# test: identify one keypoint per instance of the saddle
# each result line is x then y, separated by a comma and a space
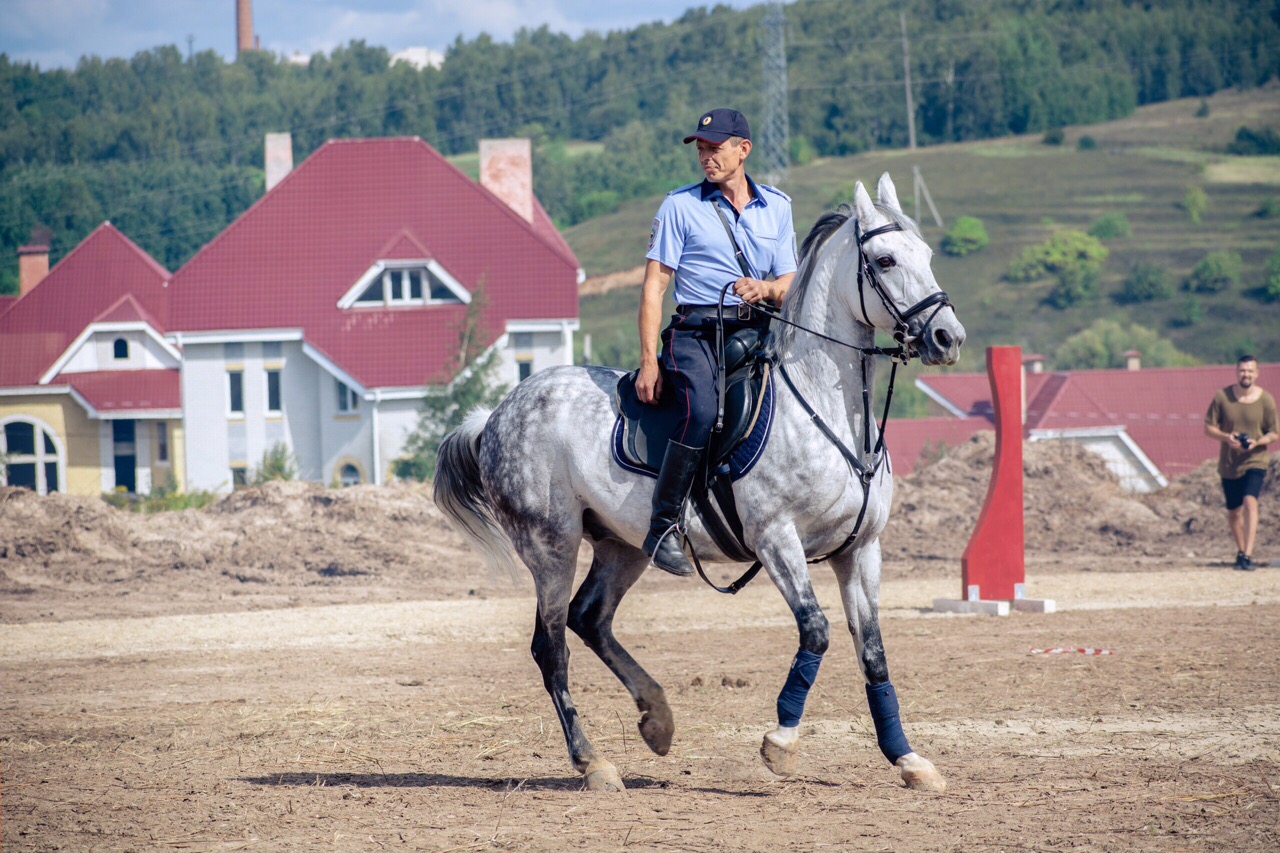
641, 432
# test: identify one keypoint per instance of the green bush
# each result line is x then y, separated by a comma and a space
1076, 284
1110, 226
1053, 136
1064, 250
1202, 111
1255, 141
163, 499
278, 463
1087, 143
1145, 283
595, 203
1269, 209
1271, 287
1216, 272
1194, 202
967, 234
802, 150
1190, 312
1103, 344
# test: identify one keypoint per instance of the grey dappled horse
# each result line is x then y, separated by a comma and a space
536, 473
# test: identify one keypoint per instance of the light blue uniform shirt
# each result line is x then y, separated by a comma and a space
687, 236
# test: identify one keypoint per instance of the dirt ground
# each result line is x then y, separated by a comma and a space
297, 666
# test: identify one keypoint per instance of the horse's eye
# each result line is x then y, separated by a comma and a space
885, 261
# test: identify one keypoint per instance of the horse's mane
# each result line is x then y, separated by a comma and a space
782, 334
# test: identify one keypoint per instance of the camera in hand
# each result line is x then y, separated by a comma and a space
1243, 438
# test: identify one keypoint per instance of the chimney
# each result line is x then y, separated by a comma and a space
244, 26
506, 170
1034, 363
278, 159
1132, 359
33, 266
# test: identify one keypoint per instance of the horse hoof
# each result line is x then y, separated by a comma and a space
919, 774
657, 727
779, 756
603, 776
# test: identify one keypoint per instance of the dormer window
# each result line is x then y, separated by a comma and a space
397, 284
120, 349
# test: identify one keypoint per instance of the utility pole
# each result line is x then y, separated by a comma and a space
906, 72
775, 132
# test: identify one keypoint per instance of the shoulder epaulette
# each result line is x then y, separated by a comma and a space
774, 190
685, 188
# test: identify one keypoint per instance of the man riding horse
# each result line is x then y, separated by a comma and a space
727, 228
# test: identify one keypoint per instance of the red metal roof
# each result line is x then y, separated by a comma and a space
1161, 408
96, 275
287, 261
126, 390
908, 438
6, 301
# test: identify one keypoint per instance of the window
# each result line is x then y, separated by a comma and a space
162, 441
348, 400
522, 340
233, 352
272, 351
120, 349
31, 463
525, 369
239, 476
349, 476
406, 285
273, 392
235, 392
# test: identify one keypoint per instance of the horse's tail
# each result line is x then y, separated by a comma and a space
460, 495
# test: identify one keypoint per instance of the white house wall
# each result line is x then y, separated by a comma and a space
547, 349
98, 353
396, 420
204, 417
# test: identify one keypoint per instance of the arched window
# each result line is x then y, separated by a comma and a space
32, 455
120, 349
349, 475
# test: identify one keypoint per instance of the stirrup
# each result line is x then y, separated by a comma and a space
680, 571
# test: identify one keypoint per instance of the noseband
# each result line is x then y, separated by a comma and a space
901, 319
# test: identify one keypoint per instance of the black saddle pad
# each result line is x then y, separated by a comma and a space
642, 431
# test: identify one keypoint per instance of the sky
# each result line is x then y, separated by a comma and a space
56, 33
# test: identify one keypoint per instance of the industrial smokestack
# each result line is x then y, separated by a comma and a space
244, 26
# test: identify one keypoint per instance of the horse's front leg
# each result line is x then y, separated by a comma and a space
858, 571
786, 564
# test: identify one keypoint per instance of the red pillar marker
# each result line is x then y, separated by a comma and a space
993, 568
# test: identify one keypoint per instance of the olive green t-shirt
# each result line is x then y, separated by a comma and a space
1230, 415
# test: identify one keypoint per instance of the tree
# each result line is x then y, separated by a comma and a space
1271, 287
1076, 283
967, 234
445, 408
1195, 203
1110, 225
1104, 343
1216, 272
1064, 250
1145, 283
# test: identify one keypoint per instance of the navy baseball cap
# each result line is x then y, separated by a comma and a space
718, 125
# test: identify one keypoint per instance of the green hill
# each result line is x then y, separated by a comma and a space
1024, 190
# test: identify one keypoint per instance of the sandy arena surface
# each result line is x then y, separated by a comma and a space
299, 667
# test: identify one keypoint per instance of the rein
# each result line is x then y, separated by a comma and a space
901, 354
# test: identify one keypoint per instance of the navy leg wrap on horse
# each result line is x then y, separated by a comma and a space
884, 710
804, 671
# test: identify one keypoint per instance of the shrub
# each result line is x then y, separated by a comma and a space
1216, 272
1087, 143
1076, 284
1063, 250
1269, 209
1145, 283
1255, 141
278, 463
1202, 111
1110, 225
1190, 312
1271, 287
802, 150
1195, 203
1104, 342
596, 203
1053, 136
967, 234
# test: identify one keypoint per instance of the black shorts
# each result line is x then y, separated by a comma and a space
1236, 489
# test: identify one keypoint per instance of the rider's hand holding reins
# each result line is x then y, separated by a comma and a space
754, 290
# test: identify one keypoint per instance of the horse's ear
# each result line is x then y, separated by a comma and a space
888, 193
862, 205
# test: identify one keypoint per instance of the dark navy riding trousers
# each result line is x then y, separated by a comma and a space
689, 368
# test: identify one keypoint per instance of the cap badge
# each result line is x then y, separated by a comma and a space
706, 120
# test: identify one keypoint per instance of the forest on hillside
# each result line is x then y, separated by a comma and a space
169, 147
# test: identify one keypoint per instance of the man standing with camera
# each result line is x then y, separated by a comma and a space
1243, 418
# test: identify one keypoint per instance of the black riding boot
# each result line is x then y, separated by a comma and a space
679, 468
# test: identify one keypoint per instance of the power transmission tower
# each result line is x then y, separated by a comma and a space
906, 73
775, 133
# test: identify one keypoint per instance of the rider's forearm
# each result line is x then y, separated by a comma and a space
781, 285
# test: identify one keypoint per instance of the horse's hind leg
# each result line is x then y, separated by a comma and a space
553, 577
615, 567
858, 571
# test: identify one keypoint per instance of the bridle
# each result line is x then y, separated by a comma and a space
867, 467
